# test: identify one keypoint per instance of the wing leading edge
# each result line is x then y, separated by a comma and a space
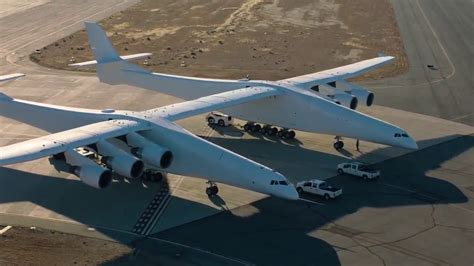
215, 102
67, 140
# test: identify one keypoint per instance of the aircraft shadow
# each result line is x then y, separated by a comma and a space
276, 232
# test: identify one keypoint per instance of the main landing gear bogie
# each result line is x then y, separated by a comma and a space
270, 131
212, 189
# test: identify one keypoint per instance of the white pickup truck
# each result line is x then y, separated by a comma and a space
318, 187
358, 169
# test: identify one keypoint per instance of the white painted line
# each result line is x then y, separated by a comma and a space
5, 229
310, 201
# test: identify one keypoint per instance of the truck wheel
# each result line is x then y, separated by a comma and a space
326, 196
221, 123
365, 177
339, 171
300, 190
211, 120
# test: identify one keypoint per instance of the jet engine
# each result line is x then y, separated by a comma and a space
88, 171
338, 95
120, 161
360, 92
150, 152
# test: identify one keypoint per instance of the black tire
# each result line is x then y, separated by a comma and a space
258, 127
209, 191
253, 128
221, 123
341, 144
264, 131
215, 190
247, 127
210, 120
287, 135
336, 145
365, 177
340, 171
326, 196
274, 131
300, 190
292, 134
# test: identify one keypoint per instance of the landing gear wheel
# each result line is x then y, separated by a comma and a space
258, 128
212, 189
273, 131
247, 127
215, 190
338, 145
292, 134
211, 120
221, 123
253, 128
286, 135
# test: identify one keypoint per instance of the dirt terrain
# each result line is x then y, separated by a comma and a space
267, 39
24, 246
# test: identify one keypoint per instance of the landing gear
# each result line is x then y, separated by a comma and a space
286, 134
268, 130
212, 189
339, 144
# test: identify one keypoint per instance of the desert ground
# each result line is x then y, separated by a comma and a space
267, 39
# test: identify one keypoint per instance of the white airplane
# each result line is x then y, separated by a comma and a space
126, 142
309, 103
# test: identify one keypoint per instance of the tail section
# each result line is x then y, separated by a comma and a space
100, 44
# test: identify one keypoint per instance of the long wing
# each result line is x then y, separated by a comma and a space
215, 102
66, 140
339, 73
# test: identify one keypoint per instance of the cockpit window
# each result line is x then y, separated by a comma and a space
283, 182
273, 182
398, 135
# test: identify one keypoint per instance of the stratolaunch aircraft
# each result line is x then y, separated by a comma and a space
311, 103
126, 142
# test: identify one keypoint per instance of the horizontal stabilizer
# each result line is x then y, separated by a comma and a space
125, 57
5, 97
11, 76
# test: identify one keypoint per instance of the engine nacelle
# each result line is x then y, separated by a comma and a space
88, 171
360, 92
346, 99
120, 161
338, 95
94, 175
150, 152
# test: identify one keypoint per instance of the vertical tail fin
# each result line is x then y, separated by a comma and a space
100, 44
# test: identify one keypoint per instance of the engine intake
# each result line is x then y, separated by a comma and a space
362, 93
94, 175
338, 95
88, 171
119, 160
150, 152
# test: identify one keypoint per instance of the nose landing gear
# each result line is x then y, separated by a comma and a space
212, 189
339, 144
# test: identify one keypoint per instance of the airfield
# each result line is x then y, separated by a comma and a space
420, 212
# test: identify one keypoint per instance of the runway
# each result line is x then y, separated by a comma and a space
420, 212
435, 33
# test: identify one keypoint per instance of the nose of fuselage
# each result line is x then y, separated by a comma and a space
287, 192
